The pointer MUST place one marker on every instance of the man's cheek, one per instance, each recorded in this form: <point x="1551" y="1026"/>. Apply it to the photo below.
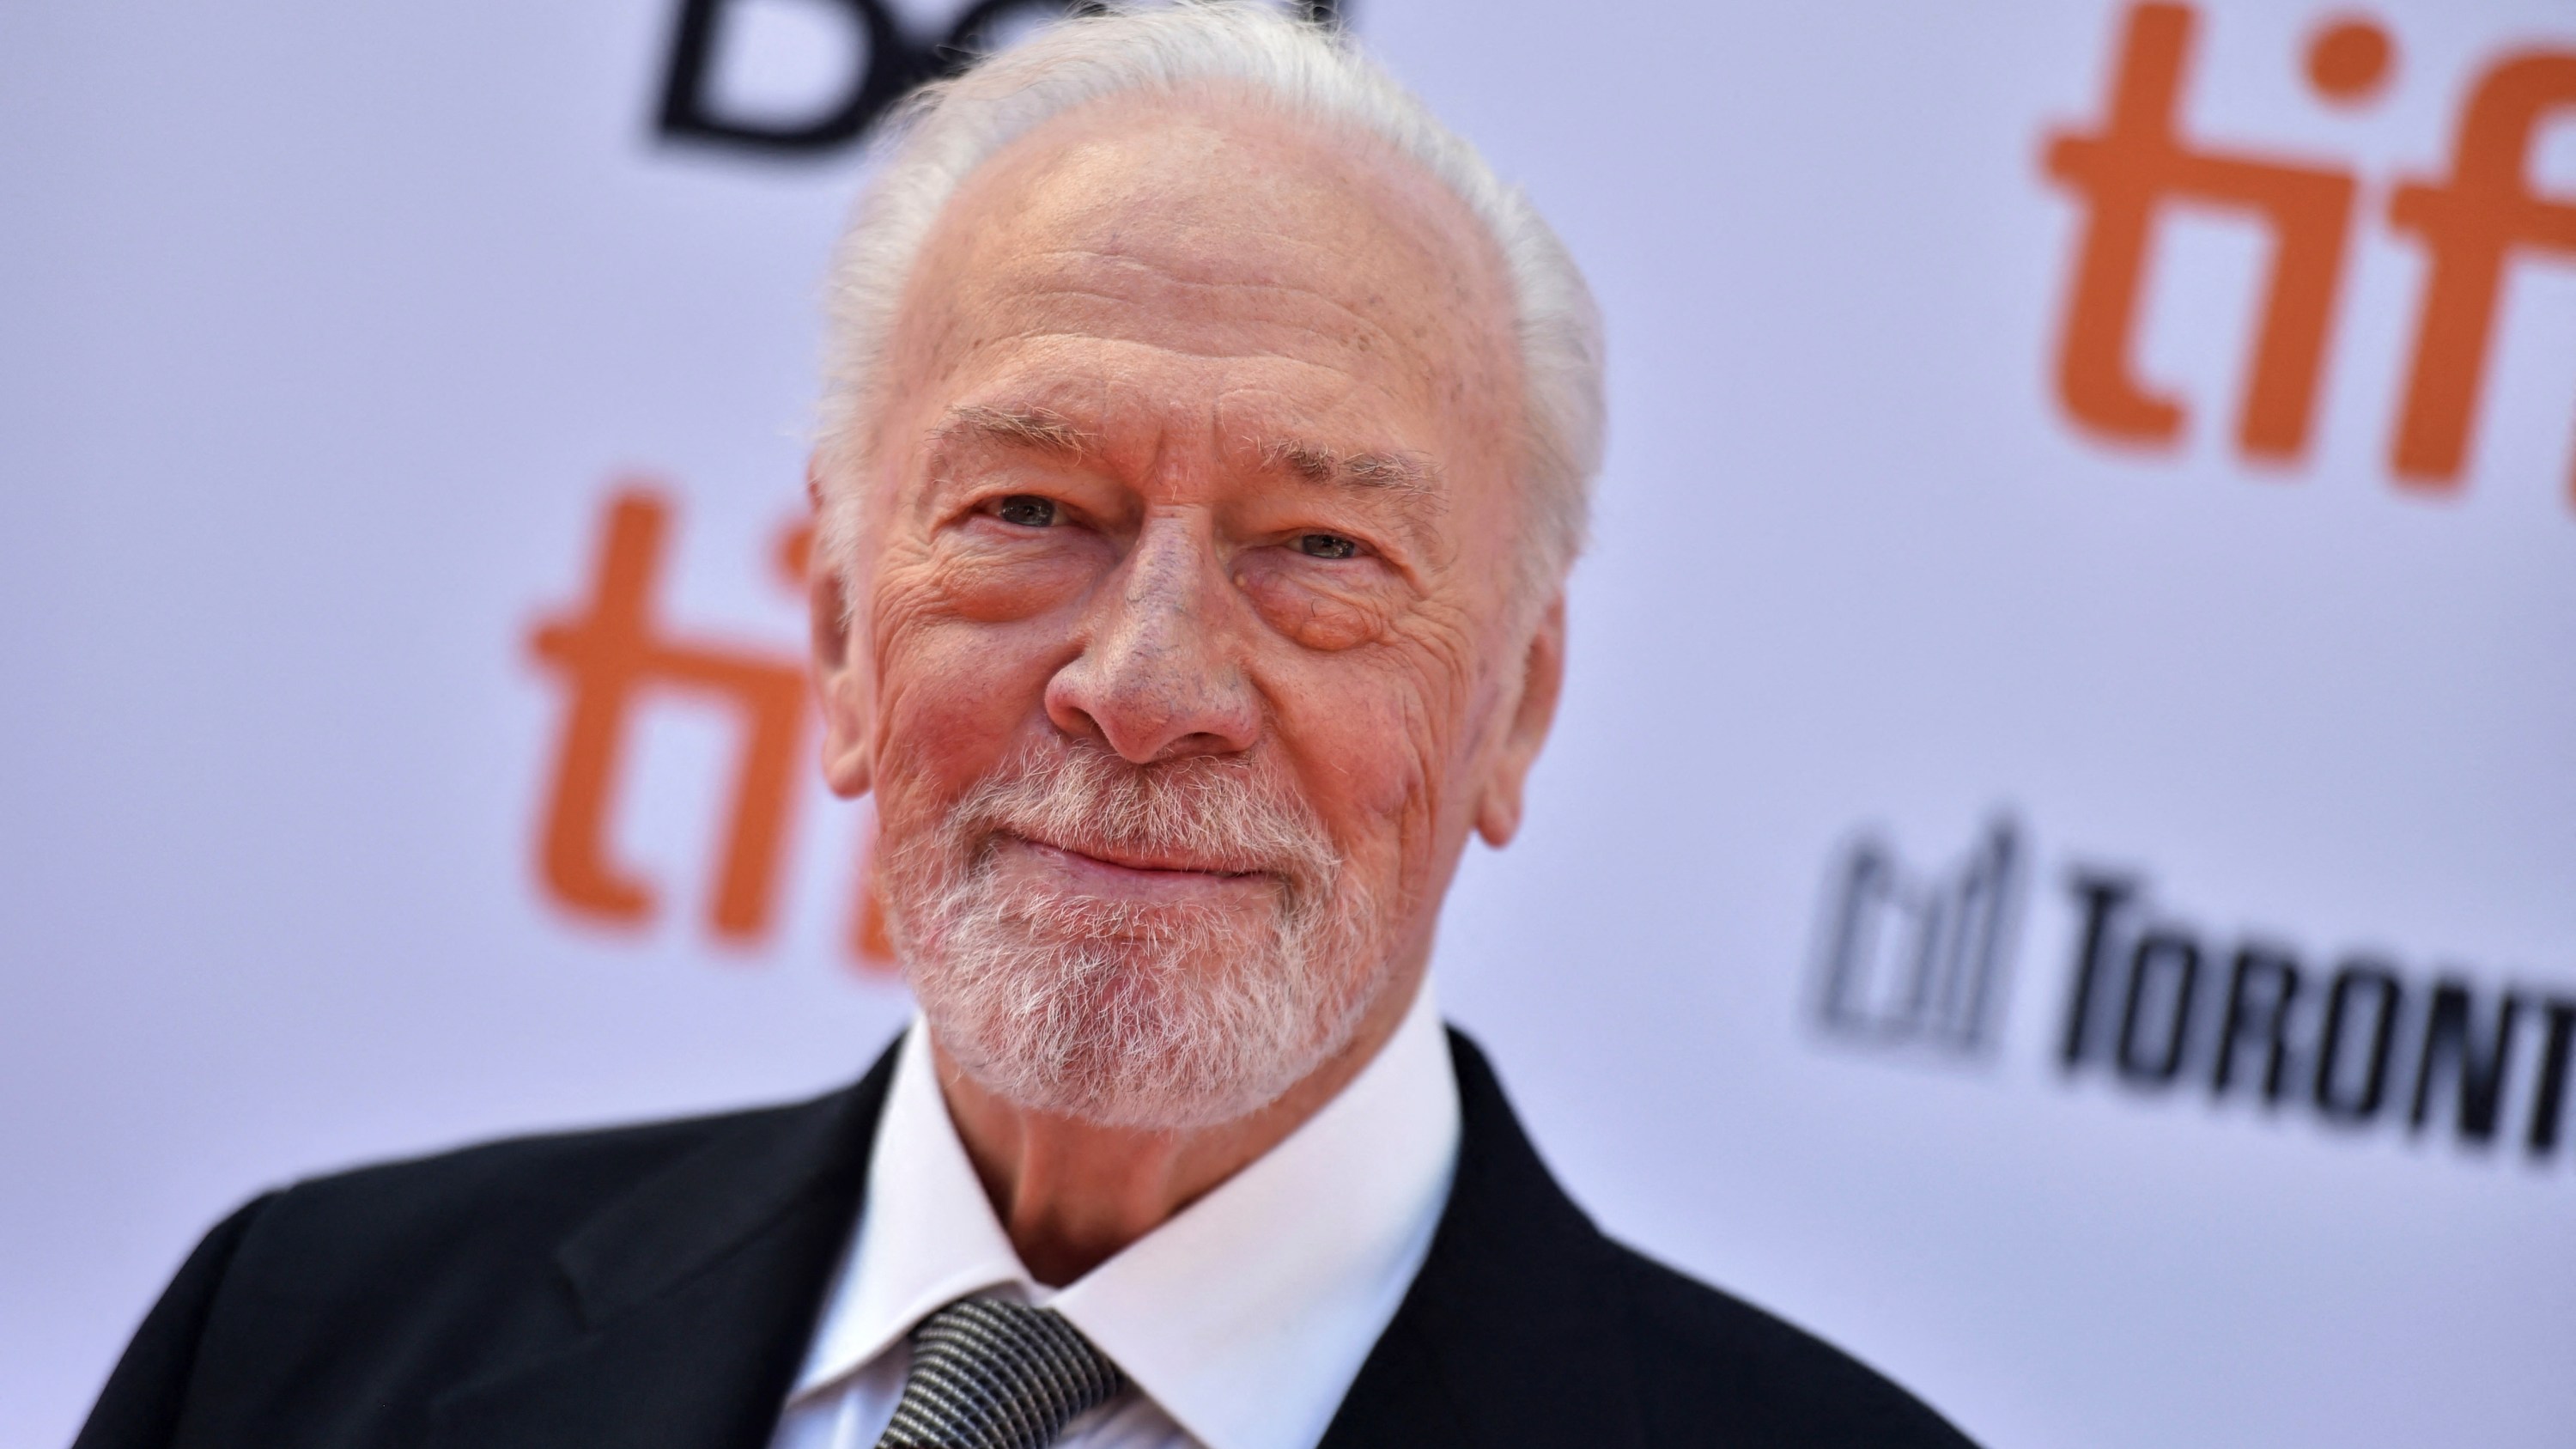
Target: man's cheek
<point x="1409" y="765"/>
<point x="956" y="700"/>
<point x="972" y="686"/>
<point x="1368" y="760"/>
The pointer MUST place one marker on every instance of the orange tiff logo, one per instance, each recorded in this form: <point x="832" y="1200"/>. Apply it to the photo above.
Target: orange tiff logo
<point x="2135" y="162"/>
<point x="612" y="655"/>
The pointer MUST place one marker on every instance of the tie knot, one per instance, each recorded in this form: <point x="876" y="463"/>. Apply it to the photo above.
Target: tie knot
<point x="988" y="1373"/>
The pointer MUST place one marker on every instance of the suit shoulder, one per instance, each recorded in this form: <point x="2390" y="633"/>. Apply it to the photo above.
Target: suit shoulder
<point x="509" y="1198"/>
<point x="1705" y="1357"/>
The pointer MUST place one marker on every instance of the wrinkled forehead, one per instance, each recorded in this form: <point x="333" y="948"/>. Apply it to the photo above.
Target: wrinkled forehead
<point x="1293" y="261"/>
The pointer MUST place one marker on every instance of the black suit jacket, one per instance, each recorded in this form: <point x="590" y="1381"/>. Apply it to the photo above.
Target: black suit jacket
<point x="656" y="1286"/>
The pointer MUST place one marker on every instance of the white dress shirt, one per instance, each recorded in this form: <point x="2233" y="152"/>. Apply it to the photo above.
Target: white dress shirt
<point x="1239" y="1323"/>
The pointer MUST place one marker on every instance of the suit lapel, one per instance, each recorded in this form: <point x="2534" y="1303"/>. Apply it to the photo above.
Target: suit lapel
<point x="1512" y="1332"/>
<point x="696" y="1293"/>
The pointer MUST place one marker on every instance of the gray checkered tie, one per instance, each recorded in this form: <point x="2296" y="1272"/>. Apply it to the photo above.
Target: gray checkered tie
<point x="991" y="1374"/>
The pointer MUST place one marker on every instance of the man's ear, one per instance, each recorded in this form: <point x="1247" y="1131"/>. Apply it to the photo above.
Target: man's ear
<point x="842" y="682"/>
<point x="1542" y="679"/>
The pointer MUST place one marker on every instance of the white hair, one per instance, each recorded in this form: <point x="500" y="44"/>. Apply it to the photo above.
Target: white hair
<point x="948" y="129"/>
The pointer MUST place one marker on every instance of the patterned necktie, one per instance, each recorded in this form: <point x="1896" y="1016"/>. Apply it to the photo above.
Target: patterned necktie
<point x="992" y="1374"/>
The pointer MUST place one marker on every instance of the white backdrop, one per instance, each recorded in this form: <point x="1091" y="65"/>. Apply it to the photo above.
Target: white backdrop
<point x="327" y="333"/>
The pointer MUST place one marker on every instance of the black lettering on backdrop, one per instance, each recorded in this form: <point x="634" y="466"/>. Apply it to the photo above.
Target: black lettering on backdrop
<point x="2103" y="896"/>
<point x="2149" y="1006"/>
<point x="1918" y="961"/>
<point x="2261" y="990"/>
<point x="2153" y="1002"/>
<point x="2338" y="1096"/>
<point x="2155" y="1021"/>
<point x="2451" y="1048"/>
<point x="2551" y="1099"/>
<point x="895" y="63"/>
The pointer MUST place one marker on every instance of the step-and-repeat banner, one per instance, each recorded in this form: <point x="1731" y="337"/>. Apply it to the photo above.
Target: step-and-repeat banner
<point x="2058" y="869"/>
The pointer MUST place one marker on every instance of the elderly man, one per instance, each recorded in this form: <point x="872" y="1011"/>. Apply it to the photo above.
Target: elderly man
<point x="1204" y="453"/>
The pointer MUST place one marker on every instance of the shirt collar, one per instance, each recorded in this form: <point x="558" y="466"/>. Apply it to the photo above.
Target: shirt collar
<point x="1246" y="1315"/>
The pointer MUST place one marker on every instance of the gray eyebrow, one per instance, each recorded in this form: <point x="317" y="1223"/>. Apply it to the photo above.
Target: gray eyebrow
<point x="1397" y="472"/>
<point x="1021" y="427"/>
<point x="1045" y="431"/>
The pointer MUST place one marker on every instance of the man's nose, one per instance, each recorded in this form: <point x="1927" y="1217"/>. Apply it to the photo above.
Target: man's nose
<point x="1158" y="678"/>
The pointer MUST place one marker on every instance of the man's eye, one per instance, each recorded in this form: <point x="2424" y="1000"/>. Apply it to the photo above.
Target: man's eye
<point x="1027" y="510"/>
<point x="1326" y="545"/>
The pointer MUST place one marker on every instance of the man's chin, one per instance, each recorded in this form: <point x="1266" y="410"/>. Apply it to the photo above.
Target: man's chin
<point x="1135" y="1029"/>
<point x="1108" y="1084"/>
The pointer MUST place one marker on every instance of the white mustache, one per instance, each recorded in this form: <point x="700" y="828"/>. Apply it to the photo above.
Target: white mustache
<point x="1200" y="813"/>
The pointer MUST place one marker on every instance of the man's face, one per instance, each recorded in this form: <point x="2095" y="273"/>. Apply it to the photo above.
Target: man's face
<point x="1185" y="650"/>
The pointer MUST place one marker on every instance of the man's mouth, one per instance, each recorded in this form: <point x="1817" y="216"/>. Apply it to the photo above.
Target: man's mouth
<point x="1095" y="863"/>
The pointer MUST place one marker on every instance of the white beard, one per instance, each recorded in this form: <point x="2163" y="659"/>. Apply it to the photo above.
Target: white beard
<point x="1124" y="1013"/>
